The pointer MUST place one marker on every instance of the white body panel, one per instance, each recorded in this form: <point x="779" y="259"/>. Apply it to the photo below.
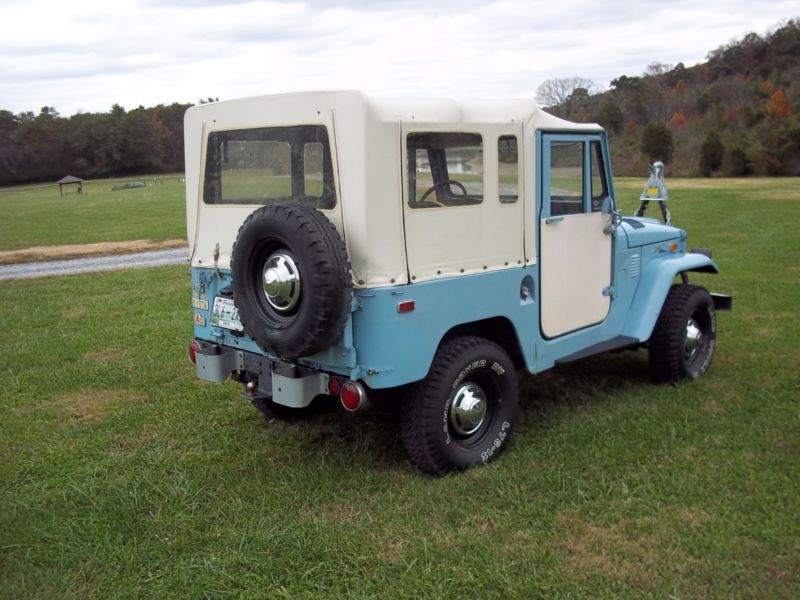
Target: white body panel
<point x="387" y="243"/>
<point x="576" y="268"/>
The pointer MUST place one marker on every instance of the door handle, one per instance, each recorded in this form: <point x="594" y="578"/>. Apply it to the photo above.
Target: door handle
<point x="551" y="220"/>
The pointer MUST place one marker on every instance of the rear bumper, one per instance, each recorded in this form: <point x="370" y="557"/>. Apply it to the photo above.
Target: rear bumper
<point x="284" y="383"/>
<point x="216" y="363"/>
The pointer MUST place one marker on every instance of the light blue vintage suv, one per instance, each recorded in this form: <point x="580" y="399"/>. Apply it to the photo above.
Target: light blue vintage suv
<point x="417" y="254"/>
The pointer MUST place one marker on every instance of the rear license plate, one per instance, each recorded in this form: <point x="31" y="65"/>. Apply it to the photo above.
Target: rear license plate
<point x="224" y="314"/>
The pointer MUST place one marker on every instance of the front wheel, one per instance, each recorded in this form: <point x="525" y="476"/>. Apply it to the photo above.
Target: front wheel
<point x="685" y="335"/>
<point x="462" y="414"/>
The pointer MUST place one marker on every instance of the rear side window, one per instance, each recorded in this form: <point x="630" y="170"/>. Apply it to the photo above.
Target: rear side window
<point x="256" y="166"/>
<point x="445" y="169"/>
<point x="508" y="168"/>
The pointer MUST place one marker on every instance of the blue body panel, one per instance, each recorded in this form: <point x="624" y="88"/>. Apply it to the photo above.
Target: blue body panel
<point x="657" y="277"/>
<point x="398" y="348"/>
<point x="650" y="232"/>
<point x="206" y="285"/>
<point x="386" y="348"/>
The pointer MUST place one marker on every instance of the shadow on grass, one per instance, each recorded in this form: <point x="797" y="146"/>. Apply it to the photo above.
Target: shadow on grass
<point x="584" y="383"/>
<point x="330" y="437"/>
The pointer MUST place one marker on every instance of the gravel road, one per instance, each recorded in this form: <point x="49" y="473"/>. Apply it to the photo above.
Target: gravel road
<point x="138" y="260"/>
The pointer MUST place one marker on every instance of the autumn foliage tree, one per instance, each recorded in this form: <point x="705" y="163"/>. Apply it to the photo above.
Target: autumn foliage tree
<point x="778" y="105"/>
<point x="746" y="93"/>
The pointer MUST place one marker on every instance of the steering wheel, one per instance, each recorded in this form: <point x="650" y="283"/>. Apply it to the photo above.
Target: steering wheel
<point x="438" y="184"/>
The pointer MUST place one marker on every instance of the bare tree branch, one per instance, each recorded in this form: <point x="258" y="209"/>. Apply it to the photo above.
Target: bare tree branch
<point x="558" y="92"/>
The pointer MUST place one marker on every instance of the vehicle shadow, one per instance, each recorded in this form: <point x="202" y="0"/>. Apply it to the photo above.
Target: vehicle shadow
<point x="591" y="381"/>
<point x="331" y="438"/>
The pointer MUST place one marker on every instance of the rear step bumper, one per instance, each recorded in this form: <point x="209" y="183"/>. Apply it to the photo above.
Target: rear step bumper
<point x="285" y="383"/>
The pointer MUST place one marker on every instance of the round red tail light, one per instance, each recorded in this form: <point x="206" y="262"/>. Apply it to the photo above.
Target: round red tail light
<point x="194" y="347"/>
<point x="334" y="386"/>
<point x="352" y="396"/>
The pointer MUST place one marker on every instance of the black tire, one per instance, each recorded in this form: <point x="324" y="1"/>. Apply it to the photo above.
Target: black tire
<point x="435" y="440"/>
<point x="324" y="291"/>
<point x="685" y="335"/>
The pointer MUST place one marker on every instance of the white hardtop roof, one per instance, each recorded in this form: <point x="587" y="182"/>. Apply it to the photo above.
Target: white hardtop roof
<point x="416" y="109"/>
<point x="388" y="242"/>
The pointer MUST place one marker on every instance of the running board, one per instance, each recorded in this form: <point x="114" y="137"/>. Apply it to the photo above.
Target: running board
<point x="618" y="343"/>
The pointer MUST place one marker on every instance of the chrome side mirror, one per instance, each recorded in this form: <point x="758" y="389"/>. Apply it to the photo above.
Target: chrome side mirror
<point x="614" y="216"/>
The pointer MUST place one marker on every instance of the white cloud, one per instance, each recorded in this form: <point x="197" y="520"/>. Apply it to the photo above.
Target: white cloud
<point x="89" y="54"/>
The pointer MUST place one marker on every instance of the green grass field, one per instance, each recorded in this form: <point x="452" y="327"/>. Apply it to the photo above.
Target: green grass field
<point x="38" y="216"/>
<point x="123" y="476"/>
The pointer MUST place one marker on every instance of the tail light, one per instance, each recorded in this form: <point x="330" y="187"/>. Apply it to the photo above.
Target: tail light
<point x="352" y="396"/>
<point x="194" y="348"/>
<point x="334" y="386"/>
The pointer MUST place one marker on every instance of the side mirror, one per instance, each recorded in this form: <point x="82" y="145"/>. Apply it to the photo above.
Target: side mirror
<point x="614" y="216"/>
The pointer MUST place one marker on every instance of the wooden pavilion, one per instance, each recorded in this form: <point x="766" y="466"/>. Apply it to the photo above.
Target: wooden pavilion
<point x="69" y="179"/>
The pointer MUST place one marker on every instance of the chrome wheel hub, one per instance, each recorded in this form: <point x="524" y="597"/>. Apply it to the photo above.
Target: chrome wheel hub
<point x="694" y="339"/>
<point x="281" y="281"/>
<point x="468" y="409"/>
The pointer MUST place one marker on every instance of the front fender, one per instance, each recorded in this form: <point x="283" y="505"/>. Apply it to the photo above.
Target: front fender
<point x="653" y="288"/>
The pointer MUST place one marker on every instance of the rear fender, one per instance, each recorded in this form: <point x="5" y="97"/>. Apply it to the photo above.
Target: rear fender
<point x="653" y="289"/>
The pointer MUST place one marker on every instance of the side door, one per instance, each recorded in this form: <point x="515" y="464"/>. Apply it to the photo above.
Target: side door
<point x="575" y="250"/>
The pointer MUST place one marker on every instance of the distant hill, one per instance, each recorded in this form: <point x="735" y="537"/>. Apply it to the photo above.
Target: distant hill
<point x="736" y="114"/>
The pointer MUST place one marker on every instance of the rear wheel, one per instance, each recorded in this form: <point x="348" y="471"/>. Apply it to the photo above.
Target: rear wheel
<point x="685" y="335"/>
<point x="462" y="414"/>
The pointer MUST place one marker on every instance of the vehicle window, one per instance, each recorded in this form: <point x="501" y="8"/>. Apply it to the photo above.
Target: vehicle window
<point x="508" y="169"/>
<point x="312" y="169"/>
<point x="599" y="187"/>
<point x="445" y="169"/>
<point x="566" y="178"/>
<point x="255" y="166"/>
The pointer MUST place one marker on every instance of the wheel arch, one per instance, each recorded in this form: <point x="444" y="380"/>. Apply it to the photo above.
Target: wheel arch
<point x="499" y="330"/>
<point x="653" y="288"/>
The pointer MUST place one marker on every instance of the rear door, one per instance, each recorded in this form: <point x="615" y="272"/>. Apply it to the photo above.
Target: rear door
<point x="575" y="250"/>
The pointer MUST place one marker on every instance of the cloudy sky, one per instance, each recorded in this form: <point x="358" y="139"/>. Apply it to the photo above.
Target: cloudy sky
<point x="85" y="55"/>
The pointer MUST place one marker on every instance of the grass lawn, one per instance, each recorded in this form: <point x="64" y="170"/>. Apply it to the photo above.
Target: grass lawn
<point x="123" y="476"/>
<point x="38" y="216"/>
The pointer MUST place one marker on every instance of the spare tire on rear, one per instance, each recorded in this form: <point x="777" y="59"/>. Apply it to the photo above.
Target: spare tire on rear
<point x="291" y="279"/>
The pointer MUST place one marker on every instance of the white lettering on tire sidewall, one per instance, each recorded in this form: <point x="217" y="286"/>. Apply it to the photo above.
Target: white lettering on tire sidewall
<point x="497" y="443"/>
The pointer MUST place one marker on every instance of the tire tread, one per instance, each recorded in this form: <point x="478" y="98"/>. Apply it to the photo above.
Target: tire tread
<point x="421" y="413"/>
<point x="331" y="273"/>
<point x="666" y="345"/>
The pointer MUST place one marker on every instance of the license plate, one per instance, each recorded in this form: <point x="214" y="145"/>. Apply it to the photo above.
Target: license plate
<point x="224" y="314"/>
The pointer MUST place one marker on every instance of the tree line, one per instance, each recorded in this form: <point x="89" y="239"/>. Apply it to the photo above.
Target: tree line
<point x="737" y="114"/>
<point x="47" y="146"/>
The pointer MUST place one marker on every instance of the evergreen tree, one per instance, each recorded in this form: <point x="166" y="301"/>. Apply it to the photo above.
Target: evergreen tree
<point x="711" y="154"/>
<point x="657" y="142"/>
